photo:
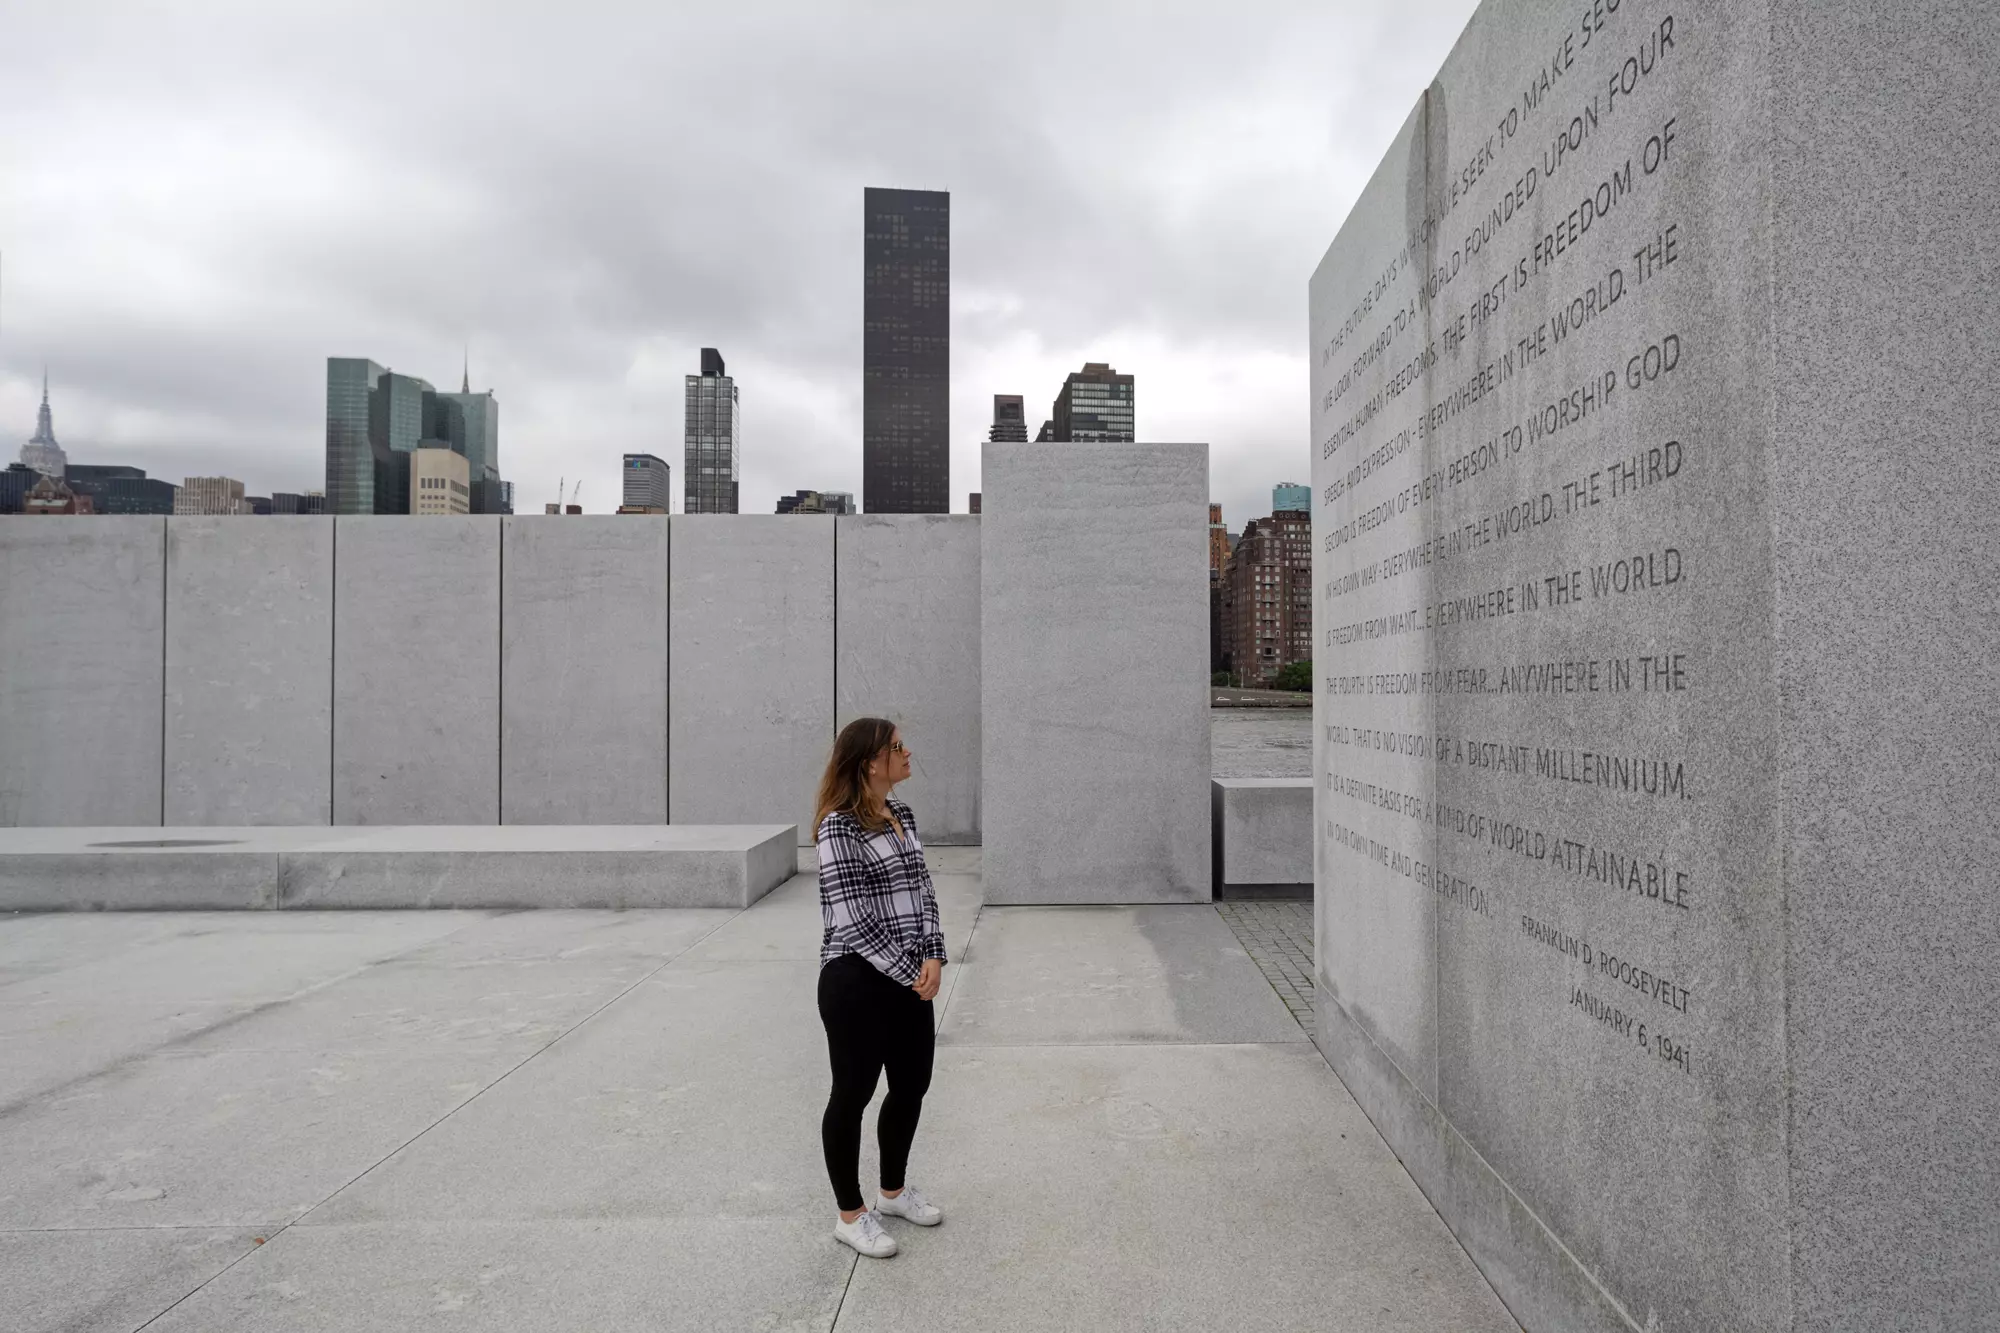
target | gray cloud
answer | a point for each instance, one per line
(197, 207)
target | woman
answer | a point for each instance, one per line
(880, 956)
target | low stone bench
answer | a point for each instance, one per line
(1262, 830)
(512, 866)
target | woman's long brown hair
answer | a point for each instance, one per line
(844, 786)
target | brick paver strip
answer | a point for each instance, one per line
(1278, 936)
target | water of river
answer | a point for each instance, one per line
(1261, 742)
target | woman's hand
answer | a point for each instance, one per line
(928, 980)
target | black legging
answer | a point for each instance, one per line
(872, 1021)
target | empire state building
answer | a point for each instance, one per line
(42, 453)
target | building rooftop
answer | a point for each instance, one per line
(609, 1121)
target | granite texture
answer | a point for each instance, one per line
(425, 865)
(752, 668)
(1094, 678)
(583, 670)
(907, 648)
(416, 670)
(249, 672)
(82, 647)
(1263, 831)
(1886, 504)
(1598, 436)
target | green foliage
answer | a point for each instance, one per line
(1297, 676)
(1222, 680)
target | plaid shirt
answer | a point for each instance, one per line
(875, 895)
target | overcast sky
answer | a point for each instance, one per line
(201, 202)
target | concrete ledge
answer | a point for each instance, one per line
(510, 866)
(1262, 834)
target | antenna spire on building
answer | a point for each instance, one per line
(465, 385)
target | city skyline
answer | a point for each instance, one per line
(186, 317)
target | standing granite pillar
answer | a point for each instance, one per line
(1094, 678)
(1658, 712)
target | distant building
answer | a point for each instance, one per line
(470, 423)
(906, 351)
(289, 502)
(42, 453)
(972, 502)
(713, 464)
(440, 482)
(648, 485)
(116, 489)
(1010, 420)
(816, 502)
(1218, 540)
(1096, 405)
(15, 481)
(1046, 434)
(376, 418)
(258, 504)
(51, 495)
(210, 495)
(1291, 495)
(1266, 598)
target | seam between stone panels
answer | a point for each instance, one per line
(166, 550)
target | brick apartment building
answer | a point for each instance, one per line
(1266, 598)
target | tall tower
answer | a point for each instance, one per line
(712, 466)
(42, 453)
(906, 352)
(1095, 405)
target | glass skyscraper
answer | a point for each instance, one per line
(375, 418)
(713, 462)
(1290, 495)
(906, 352)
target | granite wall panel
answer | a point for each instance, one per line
(907, 648)
(82, 653)
(583, 670)
(1641, 660)
(751, 671)
(1094, 678)
(416, 670)
(249, 671)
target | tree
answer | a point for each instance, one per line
(1295, 676)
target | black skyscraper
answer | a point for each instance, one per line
(906, 352)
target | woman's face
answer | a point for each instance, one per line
(893, 764)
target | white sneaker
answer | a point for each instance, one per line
(910, 1205)
(866, 1235)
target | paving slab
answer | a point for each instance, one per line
(1157, 973)
(697, 1093)
(108, 1281)
(225, 1138)
(1134, 1187)
(653, 1275)
(147, 991)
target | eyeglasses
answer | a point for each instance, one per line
(897, 747)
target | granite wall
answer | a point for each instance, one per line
(82, 625)
(908, 649)
(1094, 610)
(752, 670)
(1657, 699)
(583, 670)
(249, 672)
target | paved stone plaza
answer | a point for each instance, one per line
(606, 1121)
